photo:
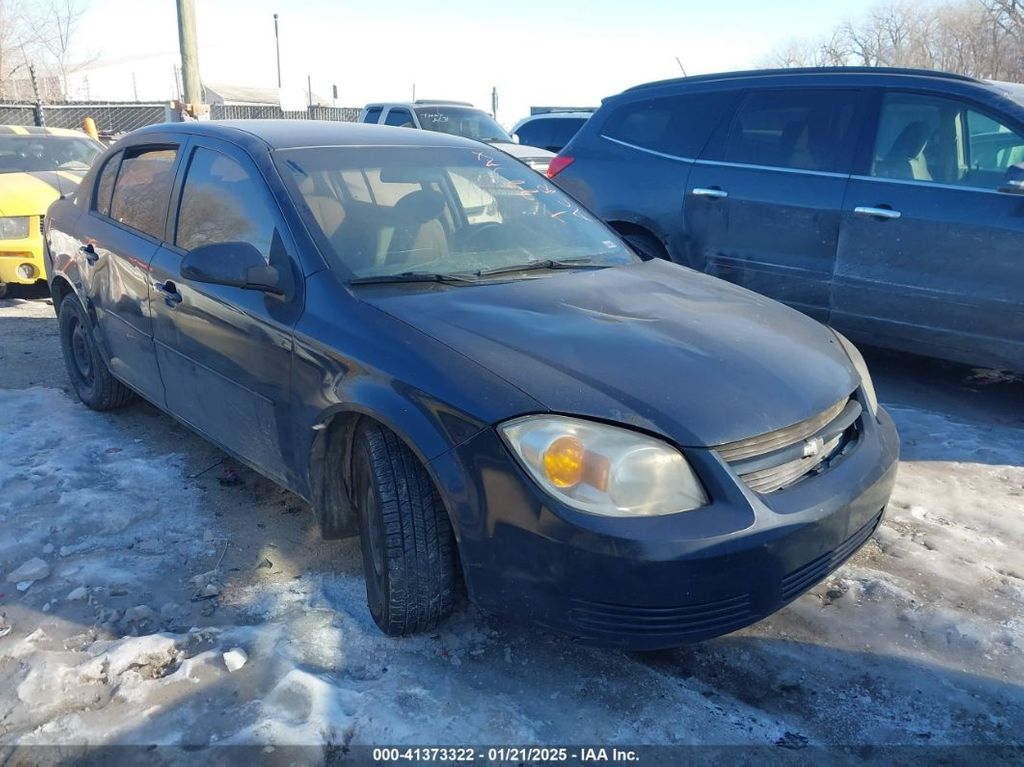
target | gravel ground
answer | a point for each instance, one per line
(162, 557)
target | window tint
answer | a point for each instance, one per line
(536, 133)
(563, 129)
(942, 140)
(372, 115)
(142, 189)
(222, 202)
(676, 125)
(105, 185)
(400, 117)
(802, 129)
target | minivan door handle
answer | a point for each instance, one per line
(713, 192)
(886, 213)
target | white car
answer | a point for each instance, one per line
(457, 118)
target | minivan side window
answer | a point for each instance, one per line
(372, 114)
(222, 202)
(675, 125)
(105, 185)
(801, 129)
(943, 141)
(143, 188)
(400, 117)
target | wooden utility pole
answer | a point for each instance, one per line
(189, 53)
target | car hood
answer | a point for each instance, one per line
(30, 194)
(653, 345)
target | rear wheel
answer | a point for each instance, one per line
(409, 555)
(646, 246)
(90, 377)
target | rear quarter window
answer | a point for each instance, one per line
(675, 125)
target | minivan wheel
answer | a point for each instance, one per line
(646, 246)
(90, 377)
(408, 546)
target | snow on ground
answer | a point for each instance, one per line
(162, 556)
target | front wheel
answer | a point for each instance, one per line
(90, 377)
(409, 554)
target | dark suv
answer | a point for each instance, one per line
(885, 202)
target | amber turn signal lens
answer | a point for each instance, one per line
(563, 462)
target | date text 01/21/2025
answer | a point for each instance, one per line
(502, 754)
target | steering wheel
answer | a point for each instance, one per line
(473, 235)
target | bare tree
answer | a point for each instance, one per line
(40, 34)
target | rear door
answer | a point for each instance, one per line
(119, 236)
(930, 258)
(764, 200)
(224, 352)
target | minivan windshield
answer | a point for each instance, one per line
(442, 211)
(462, 121)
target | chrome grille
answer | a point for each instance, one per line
(778, 459)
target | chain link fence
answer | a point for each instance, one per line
(114, 118)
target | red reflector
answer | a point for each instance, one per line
(558, 164)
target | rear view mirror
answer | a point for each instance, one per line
(1013, 180)
(237, 264)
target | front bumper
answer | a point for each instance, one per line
(662, 581)
(21, 253)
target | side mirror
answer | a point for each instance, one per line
(1013, 180)
(237, 264)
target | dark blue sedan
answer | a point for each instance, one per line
(449, 357)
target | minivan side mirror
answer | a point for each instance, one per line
(1013, 180)
(237, 264)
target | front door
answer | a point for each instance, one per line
(764, 200)
(225, 352)
(930, 258)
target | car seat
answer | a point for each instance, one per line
(419, 233)
(906, 157)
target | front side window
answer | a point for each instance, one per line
(400, 118)
(440, 210)
(221, 201)
(372, 115)
(943, 141)
(675, 125)
(810, 129)
(143, 188)
(461, 121)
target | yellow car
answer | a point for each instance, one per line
(37, 165)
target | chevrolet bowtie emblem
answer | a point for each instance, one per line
(813, 446)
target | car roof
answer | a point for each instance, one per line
(422, 103)
(33, 130)
(290, 134)
(546, 115)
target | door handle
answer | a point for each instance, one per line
(170, 293)
(887, 213)
(713, 193)
(90, 253)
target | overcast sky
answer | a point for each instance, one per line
(566, 52)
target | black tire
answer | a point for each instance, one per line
(409, 553)
(89, 374)
(647, 246)
(3, 290)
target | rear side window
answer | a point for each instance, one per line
(676, 125)
(222, 202)
(401, 118)
(372, 115)
(804, 129)
(142, 189)
(105, 185)
(535, 133)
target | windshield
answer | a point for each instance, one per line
(447, 211)
(43, 152)
(462, 121)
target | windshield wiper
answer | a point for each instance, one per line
(548, 263)
(381, 279)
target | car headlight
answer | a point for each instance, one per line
(13, 227)
(604, 469)
(862, 370)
